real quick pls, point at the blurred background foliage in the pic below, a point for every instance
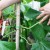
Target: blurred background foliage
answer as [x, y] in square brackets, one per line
[32, 34]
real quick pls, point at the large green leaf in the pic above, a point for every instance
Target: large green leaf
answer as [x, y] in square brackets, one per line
[38, 32]
[31, 14]
[46, 27]
[7, 45]
[39, 46]
[8, 10]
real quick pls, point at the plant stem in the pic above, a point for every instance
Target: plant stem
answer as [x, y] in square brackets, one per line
[17, 24]
[25, 40]
[31, 26]
[9, 34]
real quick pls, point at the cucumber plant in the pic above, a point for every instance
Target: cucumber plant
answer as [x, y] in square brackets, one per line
[30, 23]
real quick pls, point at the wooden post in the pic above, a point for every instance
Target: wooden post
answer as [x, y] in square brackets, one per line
[17, 25]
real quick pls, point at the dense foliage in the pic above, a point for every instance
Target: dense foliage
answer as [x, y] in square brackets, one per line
[31, 24]
[29, 27]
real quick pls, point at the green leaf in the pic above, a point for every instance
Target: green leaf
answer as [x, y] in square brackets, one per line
[43, 3]
[7, 45]
[46, 27]
[26, 1]
[22, 7]
[38, 32]
[39, 46]
[31, 14]
[8, 10]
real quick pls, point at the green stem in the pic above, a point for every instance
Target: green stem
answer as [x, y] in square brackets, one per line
[25, 40]
[31, 26]
[8, 34]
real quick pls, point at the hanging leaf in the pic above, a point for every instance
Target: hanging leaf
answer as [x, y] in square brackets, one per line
[39, 46]
[7, 45]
